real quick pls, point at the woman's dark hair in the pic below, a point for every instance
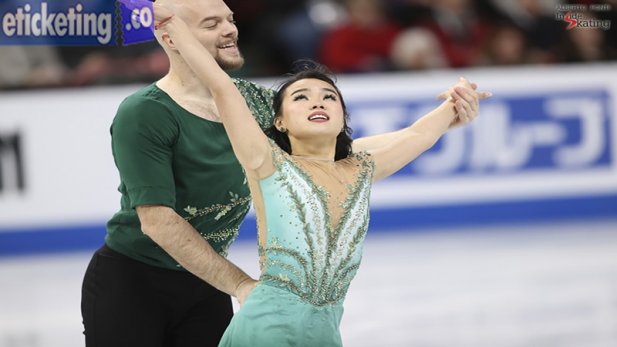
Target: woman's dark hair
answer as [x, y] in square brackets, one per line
[303, 70]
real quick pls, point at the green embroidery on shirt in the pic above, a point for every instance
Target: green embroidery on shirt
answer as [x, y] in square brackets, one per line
[191, 210]
[221, 209]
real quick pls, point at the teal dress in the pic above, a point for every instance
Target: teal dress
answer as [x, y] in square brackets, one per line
[312, 218]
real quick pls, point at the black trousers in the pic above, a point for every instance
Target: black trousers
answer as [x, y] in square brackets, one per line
[126, 303]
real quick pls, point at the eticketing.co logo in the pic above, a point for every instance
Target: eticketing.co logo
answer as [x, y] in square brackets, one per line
[75, 22]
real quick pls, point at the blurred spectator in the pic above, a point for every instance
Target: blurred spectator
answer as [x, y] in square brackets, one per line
[506, 45]
[142, 62]
[417, 49]
[255, 43]
[461, 33]
[584, 45]
[408, 12]
[364, 42]
[349, 36]
[30, 66]
[297, 29]
[609, 13]
[543, 32]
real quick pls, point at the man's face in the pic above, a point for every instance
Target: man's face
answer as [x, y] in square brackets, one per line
[212, 22]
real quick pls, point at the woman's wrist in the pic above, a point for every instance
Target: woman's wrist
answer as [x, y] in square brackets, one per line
[162, 23]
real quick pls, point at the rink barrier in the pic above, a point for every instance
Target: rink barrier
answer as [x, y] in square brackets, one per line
[396, 220]
[544, 148]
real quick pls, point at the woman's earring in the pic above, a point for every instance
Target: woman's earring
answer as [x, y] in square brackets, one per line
[282, 129]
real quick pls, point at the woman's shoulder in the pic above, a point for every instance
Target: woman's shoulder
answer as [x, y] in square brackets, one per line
[358, 161]
[357, 158]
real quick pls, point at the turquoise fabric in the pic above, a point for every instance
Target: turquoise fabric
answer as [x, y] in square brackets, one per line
[276, 317]
[310, 259]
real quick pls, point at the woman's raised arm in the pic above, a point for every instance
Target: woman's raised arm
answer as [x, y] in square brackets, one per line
[424, 133]
[249, 142]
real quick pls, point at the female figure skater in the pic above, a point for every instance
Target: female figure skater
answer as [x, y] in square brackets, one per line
[310, 192]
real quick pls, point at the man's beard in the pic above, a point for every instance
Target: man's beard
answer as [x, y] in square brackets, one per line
[230, 64]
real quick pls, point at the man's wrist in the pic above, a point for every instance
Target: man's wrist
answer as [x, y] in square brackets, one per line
[239, 285]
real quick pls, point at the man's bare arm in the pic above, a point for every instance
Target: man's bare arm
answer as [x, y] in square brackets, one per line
[180, 240]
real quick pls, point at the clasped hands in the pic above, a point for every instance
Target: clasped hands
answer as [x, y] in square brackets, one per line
[465, 99]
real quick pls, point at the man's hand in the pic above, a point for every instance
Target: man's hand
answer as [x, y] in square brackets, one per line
[244, 289]
[466, 101]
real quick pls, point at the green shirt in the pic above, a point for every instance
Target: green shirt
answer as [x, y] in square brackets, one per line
[168, 156]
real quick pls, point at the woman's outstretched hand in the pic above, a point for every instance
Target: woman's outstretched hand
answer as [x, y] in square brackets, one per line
[162, 15]
[170, 26]
[466, 101]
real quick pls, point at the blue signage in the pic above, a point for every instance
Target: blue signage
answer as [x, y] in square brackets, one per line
[544, 132]
[75, 22]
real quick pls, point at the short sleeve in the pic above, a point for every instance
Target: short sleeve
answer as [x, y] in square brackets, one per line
[143, 134]
[259, 100]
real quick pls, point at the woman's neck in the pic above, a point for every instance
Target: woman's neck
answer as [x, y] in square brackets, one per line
[315, 149]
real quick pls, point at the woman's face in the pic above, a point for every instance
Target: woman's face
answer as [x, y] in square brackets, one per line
[311, 108]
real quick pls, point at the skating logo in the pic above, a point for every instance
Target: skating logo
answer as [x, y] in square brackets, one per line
[582, 16]
[75, 22]
[571, 21]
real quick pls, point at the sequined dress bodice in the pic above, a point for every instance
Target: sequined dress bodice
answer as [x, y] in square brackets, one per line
[313, 216]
